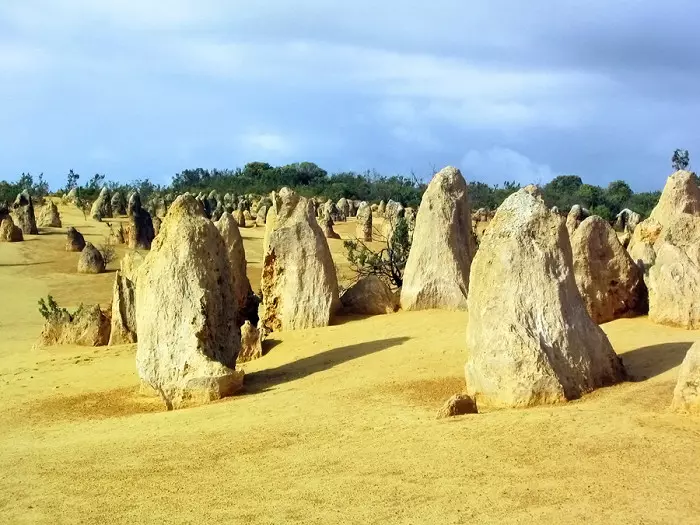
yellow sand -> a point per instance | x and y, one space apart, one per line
337 425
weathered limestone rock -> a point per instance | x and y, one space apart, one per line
299 283
576 216
118 203
49 216
89 326
610 283
156 221
134 203
75 242
24 213
251 343
457 405
674 280
686 396
235 253
481 219
102 207
437 270
625 223
9 232
681 196
369 296
91 260
326 223
392 213
343 207
363 227
239 217
140 231
123 311
381 209
261 216
188 335
530 340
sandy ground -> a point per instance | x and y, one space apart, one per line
336 425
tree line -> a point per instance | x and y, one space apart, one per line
309 179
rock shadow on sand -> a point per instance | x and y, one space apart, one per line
263 380
650 361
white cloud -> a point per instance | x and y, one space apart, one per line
504 164
267 143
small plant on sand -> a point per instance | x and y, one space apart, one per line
389 262
83 205
49 309
107 248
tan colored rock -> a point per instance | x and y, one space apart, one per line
188 335
9 232
576 216
610 283
123 329
91 260
530 340
437 270
140 232
49 216
326 223
457 405
251 343
481 219
75 242
102 207
299 283
674 280
681 194
369 296
686 396
261 216
89 326
24 213
363 227
239 216
118 203
236 256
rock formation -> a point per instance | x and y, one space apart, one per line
457 405
369 296
299 283
9 232
49 216
102 207
24 212
530 340
251 343
75 242
188 335
91 260
123 311
686 396
343 207
118 203
610 283
235 253
261 216
576 216
326 223
363 227
437 270
88 326
140 232
674 280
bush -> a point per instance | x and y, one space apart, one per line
107 248
50 310
388 263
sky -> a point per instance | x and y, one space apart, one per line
503 89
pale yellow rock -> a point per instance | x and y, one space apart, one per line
686 396
188 335
299 283
609 281
437 270
674 280
123 311
530 340
369 296
236 256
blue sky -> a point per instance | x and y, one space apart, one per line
503 89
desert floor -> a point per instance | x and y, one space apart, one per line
336 425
